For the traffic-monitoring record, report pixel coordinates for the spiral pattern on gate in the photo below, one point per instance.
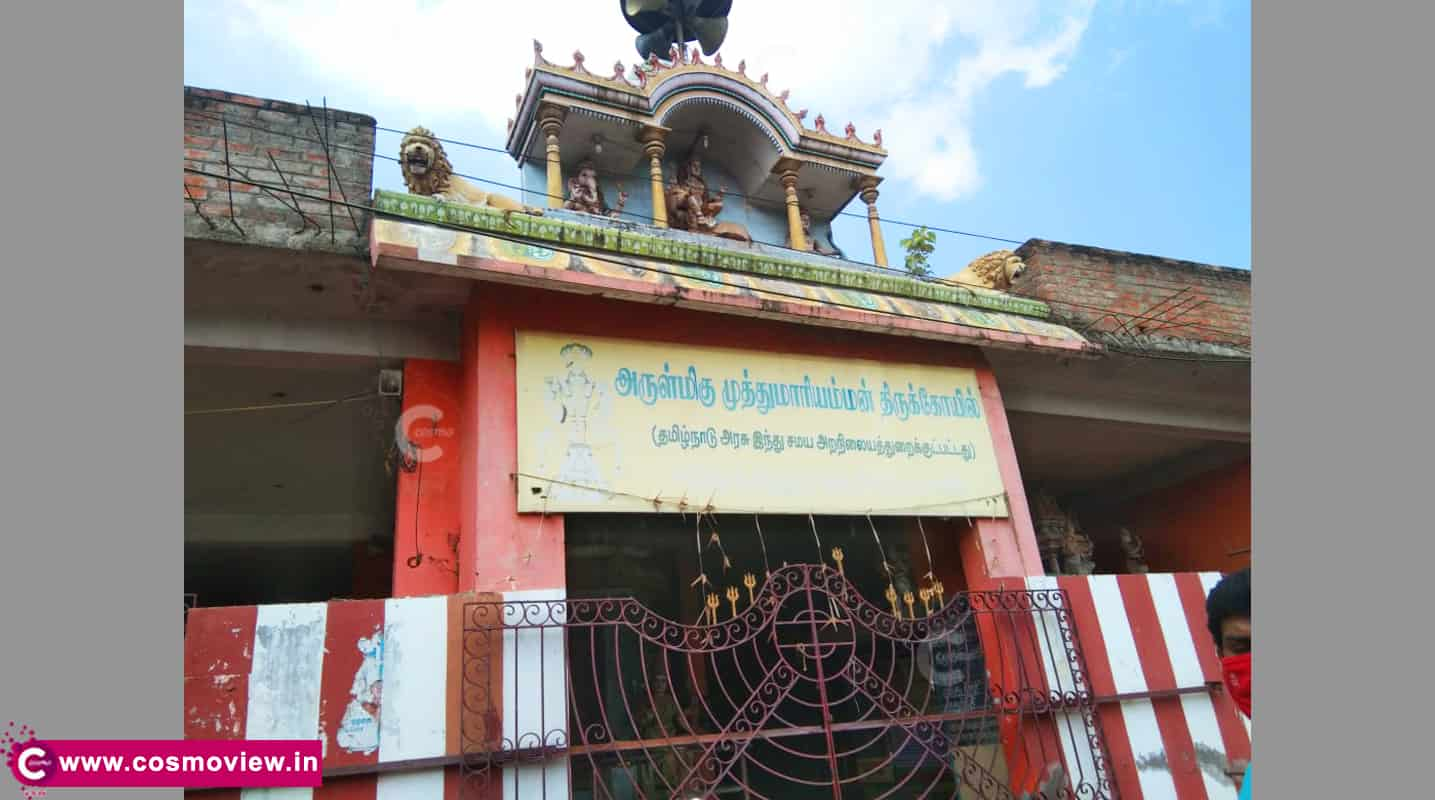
(809, 688)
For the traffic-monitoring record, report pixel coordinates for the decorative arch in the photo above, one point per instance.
(665, 112)
(745, 141)
(757, 104)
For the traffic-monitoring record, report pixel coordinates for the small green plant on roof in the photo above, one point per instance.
(919, 247)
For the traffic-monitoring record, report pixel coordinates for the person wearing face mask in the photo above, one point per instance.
(1228, 616)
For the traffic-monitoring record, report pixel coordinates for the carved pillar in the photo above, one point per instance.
(550, 119)
(787, 171)
(654, 143)
(869, 196)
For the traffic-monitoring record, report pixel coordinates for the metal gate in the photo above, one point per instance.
(793, 688)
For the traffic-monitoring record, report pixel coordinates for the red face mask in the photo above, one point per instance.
(1236, 670)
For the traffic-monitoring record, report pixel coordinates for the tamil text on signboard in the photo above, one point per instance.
(615, 425)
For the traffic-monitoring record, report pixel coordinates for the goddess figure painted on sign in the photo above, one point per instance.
(578, 403)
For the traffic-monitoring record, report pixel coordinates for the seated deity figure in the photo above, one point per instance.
(813, 245)
(691, 207)
(584, 194)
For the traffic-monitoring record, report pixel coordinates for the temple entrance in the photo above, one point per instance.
(786, 678)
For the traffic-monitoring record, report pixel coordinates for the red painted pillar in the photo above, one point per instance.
(426, 523)
(998, 554)
(1005, 548)
(499, 550)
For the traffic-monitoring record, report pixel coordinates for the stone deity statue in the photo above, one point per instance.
(1078, 551)
(1135, 552)
(585, 195)
(691, 207)
(661, 772)
(813, 245)
(1051, 524)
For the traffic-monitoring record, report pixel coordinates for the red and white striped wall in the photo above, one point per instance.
(427, 784)
(1146, 634)
(378, 681)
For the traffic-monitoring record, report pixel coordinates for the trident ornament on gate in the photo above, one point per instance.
(964, 695)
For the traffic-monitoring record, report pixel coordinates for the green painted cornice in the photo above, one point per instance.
(629, 242)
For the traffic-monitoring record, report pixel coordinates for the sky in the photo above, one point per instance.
(1123, 124)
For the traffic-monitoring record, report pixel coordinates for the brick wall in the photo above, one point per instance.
(1104, 291)
(254, 130)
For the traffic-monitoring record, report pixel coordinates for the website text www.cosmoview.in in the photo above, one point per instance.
(192, 764)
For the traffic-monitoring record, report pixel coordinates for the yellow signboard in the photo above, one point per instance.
(610, 425)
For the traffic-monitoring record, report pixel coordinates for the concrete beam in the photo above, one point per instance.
(1214, 425)
(362, 338)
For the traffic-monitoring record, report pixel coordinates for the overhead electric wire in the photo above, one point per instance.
(275, 406)
(536, 160)
(598, 257)
(939, 280)
(943, 281)
(773, 203)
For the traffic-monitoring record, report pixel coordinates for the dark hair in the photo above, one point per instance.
(1230, 598)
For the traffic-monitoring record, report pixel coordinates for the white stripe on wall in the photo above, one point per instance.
(535, 693)
(1199, 710)
(1208, 582)
(426, 784)
(1125, 662)
(287, 672)
(414, 703)
(1071, 727)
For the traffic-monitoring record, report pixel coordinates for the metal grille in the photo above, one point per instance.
(800, 688)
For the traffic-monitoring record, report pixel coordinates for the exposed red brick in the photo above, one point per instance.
(1085, 285)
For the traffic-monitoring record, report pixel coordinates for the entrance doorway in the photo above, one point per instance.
(774, 664)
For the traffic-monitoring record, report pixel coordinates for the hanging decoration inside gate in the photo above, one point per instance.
(612, 425)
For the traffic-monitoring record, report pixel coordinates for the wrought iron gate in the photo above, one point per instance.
(797, 688)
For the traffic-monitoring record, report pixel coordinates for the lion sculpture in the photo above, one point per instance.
(428, 172)
(996, 270)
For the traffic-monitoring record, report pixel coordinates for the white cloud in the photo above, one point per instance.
(913, 68)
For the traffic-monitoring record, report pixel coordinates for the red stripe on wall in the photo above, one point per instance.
(218, 654)
(348, 622)
(357, 787)
(1121, 760)
(453, 675)
(1233, 734)
(1010, 643)
(1156, 666)
(219, 640)
(1193, 600)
